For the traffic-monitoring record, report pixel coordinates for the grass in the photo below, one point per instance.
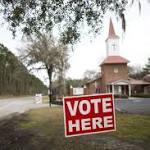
(131, 126)
(50, 120)
(128, 125)
(45, 99)
(47, 127)
(43, 129)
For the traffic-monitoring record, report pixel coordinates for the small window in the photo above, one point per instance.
(115, 70)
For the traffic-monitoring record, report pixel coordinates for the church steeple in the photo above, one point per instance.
(111, 33)
(112, 41)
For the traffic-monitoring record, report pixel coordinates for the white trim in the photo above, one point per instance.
(119, 82)
(113, 89)
(114, 112)
(129, 88)
(64, 116)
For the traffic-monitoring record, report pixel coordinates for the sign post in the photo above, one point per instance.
(89, 114)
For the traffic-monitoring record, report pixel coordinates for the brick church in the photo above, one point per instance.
(114, 71)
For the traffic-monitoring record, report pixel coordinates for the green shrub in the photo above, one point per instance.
(141, 95)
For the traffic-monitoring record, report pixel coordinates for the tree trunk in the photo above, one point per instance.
(50, 70)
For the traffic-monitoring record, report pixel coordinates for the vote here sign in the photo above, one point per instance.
(89, 114)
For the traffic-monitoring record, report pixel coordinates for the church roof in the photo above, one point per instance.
(93, 80)
(138, 82)
(114, 60)
(111, 34)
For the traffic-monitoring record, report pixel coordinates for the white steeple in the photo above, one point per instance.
(112, 41)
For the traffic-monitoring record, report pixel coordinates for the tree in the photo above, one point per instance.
(32, 16)
(146, 69)
(135, 72)
(48, 54)
(90, 75)
(73, 83)
(15, 78)
(138, 72)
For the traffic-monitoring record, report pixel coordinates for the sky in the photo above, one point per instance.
(134, 44)
(87, 55)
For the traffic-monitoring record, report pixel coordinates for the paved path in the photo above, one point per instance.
(135, 106)
(18, 105)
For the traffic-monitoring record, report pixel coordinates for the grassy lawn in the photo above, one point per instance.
(48, 122)
(131, 126)
(43, 129)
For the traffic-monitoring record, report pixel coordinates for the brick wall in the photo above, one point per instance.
(91, 86)
(113, 72)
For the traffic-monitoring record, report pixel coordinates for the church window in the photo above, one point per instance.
(114, 47)
(115, 70)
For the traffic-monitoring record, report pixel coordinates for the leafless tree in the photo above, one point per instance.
(90, 75)
(51, 55)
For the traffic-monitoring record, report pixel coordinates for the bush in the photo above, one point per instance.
(141, 95)
(120, 96)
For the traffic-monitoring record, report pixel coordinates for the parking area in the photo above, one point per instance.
(133, 105)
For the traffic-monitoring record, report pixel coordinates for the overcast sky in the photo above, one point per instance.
(134, 44)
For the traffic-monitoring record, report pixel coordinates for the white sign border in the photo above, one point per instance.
(91, 132)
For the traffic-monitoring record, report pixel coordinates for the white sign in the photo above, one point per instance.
(38, 98)
(78, 91)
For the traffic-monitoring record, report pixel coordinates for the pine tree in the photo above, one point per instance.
(146, 69)
(15, 78)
